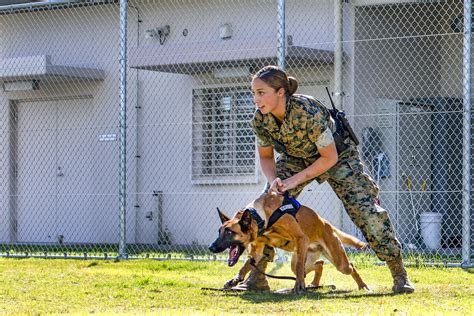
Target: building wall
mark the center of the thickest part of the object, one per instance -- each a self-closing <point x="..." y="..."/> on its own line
<point x="159" y="144"/>
<point x="159" y="112"/>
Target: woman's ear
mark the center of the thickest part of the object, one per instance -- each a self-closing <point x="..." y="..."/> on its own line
<point x="281" y="92"/>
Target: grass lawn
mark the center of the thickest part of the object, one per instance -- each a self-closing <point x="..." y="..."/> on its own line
<point x="174" y="287"/>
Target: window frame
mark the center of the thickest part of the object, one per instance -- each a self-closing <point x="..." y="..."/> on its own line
<point x="200" y="178"/>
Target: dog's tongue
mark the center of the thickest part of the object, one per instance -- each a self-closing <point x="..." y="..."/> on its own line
<point x="233" y="255"/>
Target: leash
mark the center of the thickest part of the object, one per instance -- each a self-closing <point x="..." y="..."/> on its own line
<point x="252" y="263"/>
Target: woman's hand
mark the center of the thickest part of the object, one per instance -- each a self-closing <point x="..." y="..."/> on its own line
<point x="280" y="186"/>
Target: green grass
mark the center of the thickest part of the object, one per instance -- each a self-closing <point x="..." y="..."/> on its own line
<point x="174" y="287"/>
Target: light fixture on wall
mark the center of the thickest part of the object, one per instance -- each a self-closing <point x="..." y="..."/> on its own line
<point x="160" y="33"/>
<point x="225" y="31"/>
<point x="25" y="85"/>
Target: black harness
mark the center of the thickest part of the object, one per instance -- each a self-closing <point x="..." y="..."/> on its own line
<point x="289" y="206"/>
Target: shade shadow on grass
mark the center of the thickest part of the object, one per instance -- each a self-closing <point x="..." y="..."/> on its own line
<point x="265" y="297"/>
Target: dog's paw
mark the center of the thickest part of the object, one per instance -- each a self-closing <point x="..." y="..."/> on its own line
<point x="232" y="282"/>
<point x="299" y="288"/>
<point x="363" y="247"/>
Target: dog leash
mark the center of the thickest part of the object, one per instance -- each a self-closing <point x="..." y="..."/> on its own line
<point x="252" y="263"/>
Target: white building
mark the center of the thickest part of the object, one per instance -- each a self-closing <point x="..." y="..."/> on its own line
<point x="188" y="146"/>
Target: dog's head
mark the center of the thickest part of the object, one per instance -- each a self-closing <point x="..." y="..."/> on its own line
<point x="235" y="233"/>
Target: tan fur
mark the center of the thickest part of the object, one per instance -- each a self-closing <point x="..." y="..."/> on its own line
<point x="308" y="236"/>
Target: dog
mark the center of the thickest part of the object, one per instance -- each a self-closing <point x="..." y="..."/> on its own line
<point x="304" y="233"/>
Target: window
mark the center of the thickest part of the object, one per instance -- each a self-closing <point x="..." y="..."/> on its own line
<point x="223" y="142"/>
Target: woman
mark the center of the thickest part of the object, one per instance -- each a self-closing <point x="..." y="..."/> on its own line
<point x="301" y="129"/>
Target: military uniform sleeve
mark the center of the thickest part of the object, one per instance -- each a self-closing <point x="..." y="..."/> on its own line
<point x="318" y="130"/>
<point x="263" y="139"/>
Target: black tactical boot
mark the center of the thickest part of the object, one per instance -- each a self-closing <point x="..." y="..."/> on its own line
<point x="256" y="281"/>
<point x="401" y="283"/>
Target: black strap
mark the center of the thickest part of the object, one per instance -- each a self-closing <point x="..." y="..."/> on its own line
<point x="258" y="219"/>
<point x="289" y="206"/>
<point x="252" y="263"/>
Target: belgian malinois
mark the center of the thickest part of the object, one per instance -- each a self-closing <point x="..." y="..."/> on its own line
<point x="304" y="233"/>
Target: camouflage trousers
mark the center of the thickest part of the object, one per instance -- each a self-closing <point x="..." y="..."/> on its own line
<point x="358" y="193"/>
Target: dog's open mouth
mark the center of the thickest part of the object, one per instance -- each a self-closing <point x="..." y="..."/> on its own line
<point x="234" y="254"/>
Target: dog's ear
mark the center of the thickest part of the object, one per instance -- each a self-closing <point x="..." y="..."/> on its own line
<point x="223" y="217"/>
<point x="245" y="221"/>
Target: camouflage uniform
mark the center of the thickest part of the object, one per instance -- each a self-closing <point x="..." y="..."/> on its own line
<point x="307" y="126"/>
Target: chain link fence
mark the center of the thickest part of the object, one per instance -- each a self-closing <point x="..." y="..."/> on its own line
<point x="74" y="185"/>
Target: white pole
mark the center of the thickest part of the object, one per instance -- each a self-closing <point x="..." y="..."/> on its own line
<point x="281" y="35"/>
<point x="466" y="236"/>
<point x="123" y="129"/>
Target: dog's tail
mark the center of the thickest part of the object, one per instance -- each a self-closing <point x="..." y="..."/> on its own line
<point x="350" y="240"/>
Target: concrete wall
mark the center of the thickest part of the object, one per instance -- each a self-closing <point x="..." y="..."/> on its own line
<point x="160" y="108"/>
<point x="377" y="67"/>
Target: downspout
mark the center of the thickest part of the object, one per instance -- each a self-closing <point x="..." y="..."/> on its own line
<point x="466" y="222"/>
<point x="281" y="52"/>
<point x="338" y="37"/>
<point x="138" y="155"/>
<point x="123" y="130"/>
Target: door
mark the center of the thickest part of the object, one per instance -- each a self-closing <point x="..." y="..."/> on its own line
<point x="36" y="172"/>
<point x="54" y="171"/>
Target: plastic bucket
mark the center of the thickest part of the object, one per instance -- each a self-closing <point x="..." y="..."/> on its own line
<point x="430" y="224"/>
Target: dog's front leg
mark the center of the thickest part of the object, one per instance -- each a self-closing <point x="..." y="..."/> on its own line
<point x="301" y="250"/>
<point x="240" y="276"/>
<point x="255" y="254"/>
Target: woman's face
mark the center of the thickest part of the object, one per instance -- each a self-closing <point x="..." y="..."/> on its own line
<point x="265" y="97"/>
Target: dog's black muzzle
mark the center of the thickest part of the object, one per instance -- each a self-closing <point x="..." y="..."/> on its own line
<point x="215" y="247"/>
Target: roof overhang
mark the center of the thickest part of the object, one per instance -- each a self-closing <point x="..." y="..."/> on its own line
<point x="195" y="58"/>
<point x="40" y="68"/>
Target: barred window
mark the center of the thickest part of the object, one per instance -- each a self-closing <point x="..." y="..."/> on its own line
<point x="223" y="141"/>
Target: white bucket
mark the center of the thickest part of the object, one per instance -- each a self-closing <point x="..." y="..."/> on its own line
<point x="430" y="224"/>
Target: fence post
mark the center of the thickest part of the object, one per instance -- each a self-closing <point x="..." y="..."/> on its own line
<point x="466" y="236"/>
<point x="123" y="128"/>
<point x="281" y="34"/>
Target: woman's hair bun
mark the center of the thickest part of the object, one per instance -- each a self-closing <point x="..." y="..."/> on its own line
<point x="292" y="85"/>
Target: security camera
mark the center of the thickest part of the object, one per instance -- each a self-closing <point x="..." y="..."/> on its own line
<point x="159" y="32"/>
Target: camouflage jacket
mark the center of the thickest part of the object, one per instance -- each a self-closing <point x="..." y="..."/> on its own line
<point x="307" y="125"/>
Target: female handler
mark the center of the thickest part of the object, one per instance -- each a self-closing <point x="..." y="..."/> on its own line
<point x="300" y="129"/>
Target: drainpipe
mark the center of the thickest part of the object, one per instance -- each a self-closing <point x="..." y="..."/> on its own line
<point x="338" y="37"/>
<point x="281" y="34"/>
<point x="138" y="107"/>
<point x="466" y="222"/>
<point x="123" y="129"/>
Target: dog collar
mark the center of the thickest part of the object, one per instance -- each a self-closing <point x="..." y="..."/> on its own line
<point x="258" y="219"/>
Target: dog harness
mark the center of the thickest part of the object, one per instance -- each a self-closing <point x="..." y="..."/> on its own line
<point x="289" y="206"/>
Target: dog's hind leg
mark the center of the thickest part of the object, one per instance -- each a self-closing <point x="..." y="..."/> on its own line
<point x="355" y="275"/>
<point x="318" y="272"/>
<point x="334" y="252"/>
